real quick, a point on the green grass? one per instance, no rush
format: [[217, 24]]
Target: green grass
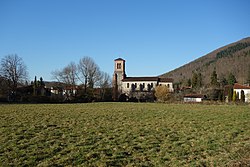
[[124, 134]]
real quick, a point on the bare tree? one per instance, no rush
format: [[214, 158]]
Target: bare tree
[[67, 75], [89, 72], [14, 70], [104, 82]]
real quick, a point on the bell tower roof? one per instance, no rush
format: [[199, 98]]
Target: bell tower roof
[[119, 59]]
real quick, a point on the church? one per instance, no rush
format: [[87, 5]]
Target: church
[[137, 87]]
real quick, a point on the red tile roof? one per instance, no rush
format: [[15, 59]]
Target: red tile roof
[[194, 95], [239, 86]]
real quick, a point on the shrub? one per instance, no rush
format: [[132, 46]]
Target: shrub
[[162, 93]]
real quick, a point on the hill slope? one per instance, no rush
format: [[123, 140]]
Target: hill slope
[[234, 58]]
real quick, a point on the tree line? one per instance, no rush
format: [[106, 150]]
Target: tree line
[[232, 49], [86, 74]]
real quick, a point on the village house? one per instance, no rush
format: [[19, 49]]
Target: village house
[[137, 87], [238, 88], [193, 98]]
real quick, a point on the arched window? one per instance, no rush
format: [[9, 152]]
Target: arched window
[[119, 66], [141, 87], [149, 87], [133, 87]]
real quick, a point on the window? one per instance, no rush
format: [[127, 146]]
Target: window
[[119, 66], [168, 85], [149, 87], [143, 85], [135, 85], [127, 85]]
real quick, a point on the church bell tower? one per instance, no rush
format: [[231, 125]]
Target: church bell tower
[[119, 75]]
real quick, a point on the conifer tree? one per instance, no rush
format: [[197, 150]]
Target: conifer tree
[[42, 82], [35, 87], [242, 96], [189, 83], [214, 79], [230, 94], [234, 96], [199, 80], [223, 81], [194, 80], [231, 79], [237, 96]]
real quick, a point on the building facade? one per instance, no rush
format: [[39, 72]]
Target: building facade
[[193, 98], [135, 86], [246, 89]]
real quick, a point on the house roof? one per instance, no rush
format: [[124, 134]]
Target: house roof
[[239, 86], [127, 79], [194, 95], [119, 59]]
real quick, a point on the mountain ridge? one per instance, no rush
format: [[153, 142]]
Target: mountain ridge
[[232, 58]]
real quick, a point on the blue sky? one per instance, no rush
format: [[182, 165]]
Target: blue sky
[[153, 36]]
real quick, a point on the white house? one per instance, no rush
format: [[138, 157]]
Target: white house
[[238, 88], [194, 98], [129, 85]]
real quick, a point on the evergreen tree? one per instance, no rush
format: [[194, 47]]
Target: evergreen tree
[[214, 79], [194, 80], [189, 83], [223, 81], [234, 96], [199, 80], [230, 94], [42, 82], [237, 96], [35, 82], [231, 79], [35, 87], [221, 95], [242, 96]]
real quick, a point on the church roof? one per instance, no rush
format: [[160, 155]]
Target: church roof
[[127, 79], [140, 79]]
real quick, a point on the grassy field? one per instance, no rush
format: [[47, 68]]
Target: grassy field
[[124, 134]]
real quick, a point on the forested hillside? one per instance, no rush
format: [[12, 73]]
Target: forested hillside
[[233, 58]]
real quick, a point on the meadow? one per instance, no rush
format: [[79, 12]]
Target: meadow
[[124, 134]]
